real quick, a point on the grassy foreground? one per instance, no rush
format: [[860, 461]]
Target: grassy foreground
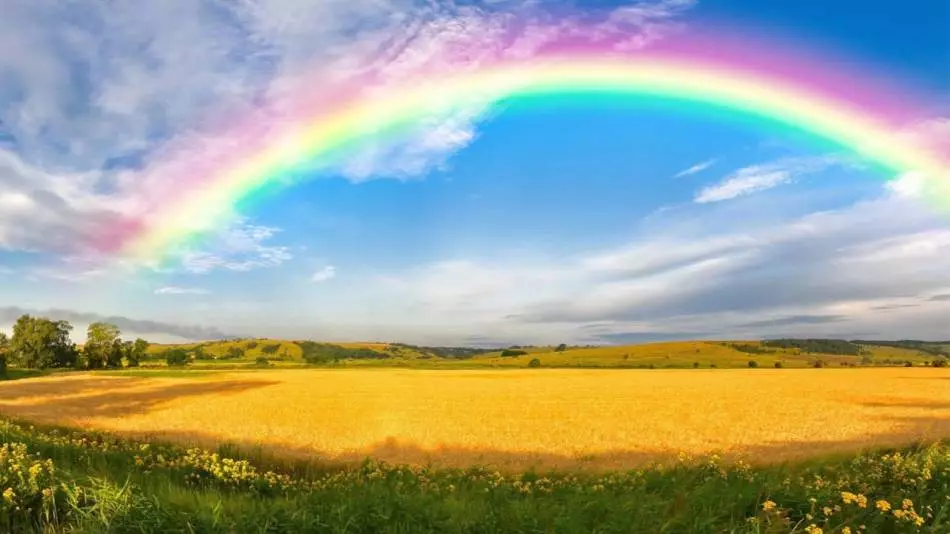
[[56, 480]]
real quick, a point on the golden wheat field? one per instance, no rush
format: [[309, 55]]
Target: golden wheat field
[[511, 419]]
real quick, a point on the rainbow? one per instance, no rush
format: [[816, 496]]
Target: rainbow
[[822, 103]]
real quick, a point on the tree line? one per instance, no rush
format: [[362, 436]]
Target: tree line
[[42, 343]]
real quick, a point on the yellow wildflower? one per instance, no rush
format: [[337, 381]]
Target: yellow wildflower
[[907, 504], [813, 529], [882, 505], [845, 530], [862, 501], [768, 506], [8, 495], [848, 497], [827, 510]]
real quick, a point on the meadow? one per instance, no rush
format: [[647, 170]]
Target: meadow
[[668, 437]]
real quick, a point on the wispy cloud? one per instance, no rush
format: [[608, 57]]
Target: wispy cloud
[[240, 247], [324, 274], [699, 167], [755, 178], [114, 107], [819, 273], [743, 182], [175, 290]]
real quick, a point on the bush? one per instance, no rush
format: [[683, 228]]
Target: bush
[[818, 364], [908, 364], [261, 361], [534, 363], [30, 489], [512, 353], [251, 345], [695, 365], [753, 364], [939, 363], [561, 348], [176, 357], [270, 349], [778, 365]]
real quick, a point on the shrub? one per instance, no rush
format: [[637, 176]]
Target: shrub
[[561, 348], [30, 489], [176, 357], [939, 363], [626, 356], [908, 364], [234, 353], [712, 366], [512, 353], [695, 365], [534, 363], [818, 364], [261, 361], [251, 345], [270, 349], [778, 365], [753, 364]]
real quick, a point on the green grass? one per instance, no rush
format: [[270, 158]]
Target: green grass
[[105, 484]]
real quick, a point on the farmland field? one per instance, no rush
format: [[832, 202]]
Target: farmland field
[[507, 419]]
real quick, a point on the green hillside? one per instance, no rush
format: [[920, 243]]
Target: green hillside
[[789, 353]]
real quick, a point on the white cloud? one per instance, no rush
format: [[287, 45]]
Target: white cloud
[[743, 182], [852, 271], [757, 178], [119, 111], [324, 274], [239, 247], [174, 290], [699, 167]]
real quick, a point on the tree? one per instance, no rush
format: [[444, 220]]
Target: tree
[[137, 352], [199, 353], [4, 347], [561, 348], [100, 347], [235, 353], [39, 342], [116, 353], [534, 363], [753, 364], [176, 357]]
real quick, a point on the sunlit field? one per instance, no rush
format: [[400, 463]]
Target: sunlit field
[[511, 420]]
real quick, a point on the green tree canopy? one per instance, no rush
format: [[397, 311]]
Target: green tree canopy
[[39, 342], [100, 347], [135, 354], [4, 347], [176, 357]]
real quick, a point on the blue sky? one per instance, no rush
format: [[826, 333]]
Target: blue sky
[[565, 222]]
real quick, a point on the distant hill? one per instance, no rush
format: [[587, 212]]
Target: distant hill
[[680, 354]]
